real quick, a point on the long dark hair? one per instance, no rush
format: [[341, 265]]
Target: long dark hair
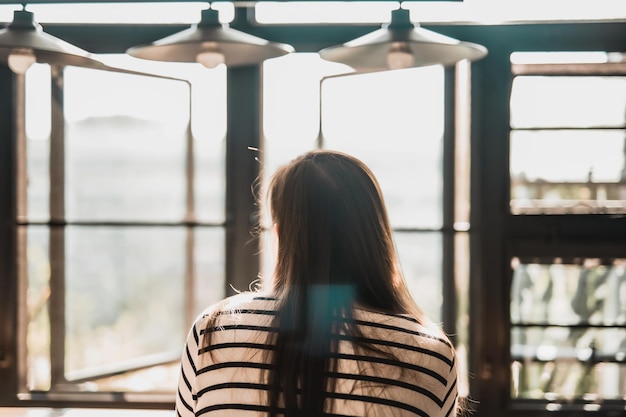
[[335, 250]]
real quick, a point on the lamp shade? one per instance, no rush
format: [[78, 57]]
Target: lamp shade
[[210, 43], [404, 44], [24, 37]]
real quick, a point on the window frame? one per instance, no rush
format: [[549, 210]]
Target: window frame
[[58, 223], [528, 249], [497, 230], [583, 245]]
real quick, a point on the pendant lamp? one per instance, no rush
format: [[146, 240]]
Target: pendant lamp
[[211, 43], [23, 42], [402, 44]]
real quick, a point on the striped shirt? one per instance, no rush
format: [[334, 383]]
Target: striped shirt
[[417, 379]]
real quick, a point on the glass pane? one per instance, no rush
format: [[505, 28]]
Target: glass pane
[[209, 258], [209, 132], [437, 12], [292, 98], [128, 12], [587, 292], [125, 146], [568, 336], [37, 120], [38, 316], [572, 58], [208, 127], [421, 260], [124, 298], [575, 101], [291, 103], [393, 121], [568, 171], [268, 257], [462, 286], [158, 378], [210, 180], [462, 145], [304, 12], [558, 363]]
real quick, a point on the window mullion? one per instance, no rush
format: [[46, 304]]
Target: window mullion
[[8, 301], [190, 217], [242, 172], [449, 313], [57, 231], [21, 180]]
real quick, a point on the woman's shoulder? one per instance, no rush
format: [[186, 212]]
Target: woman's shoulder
[[249, 302], [407, 329]]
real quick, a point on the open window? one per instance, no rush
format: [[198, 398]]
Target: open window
[[120, 226], [402, 125]]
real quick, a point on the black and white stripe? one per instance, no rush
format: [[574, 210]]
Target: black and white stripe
[[416, 375]]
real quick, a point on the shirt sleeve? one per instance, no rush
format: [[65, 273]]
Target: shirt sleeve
[[186, 396], [450, 401]]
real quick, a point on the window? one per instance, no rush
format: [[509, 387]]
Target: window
[[568, 334], [567, 289], [395, 122], [120, 230], [568, 138]]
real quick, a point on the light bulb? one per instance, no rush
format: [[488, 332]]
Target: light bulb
[[210, 59], [399, 56], [21, 59]]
